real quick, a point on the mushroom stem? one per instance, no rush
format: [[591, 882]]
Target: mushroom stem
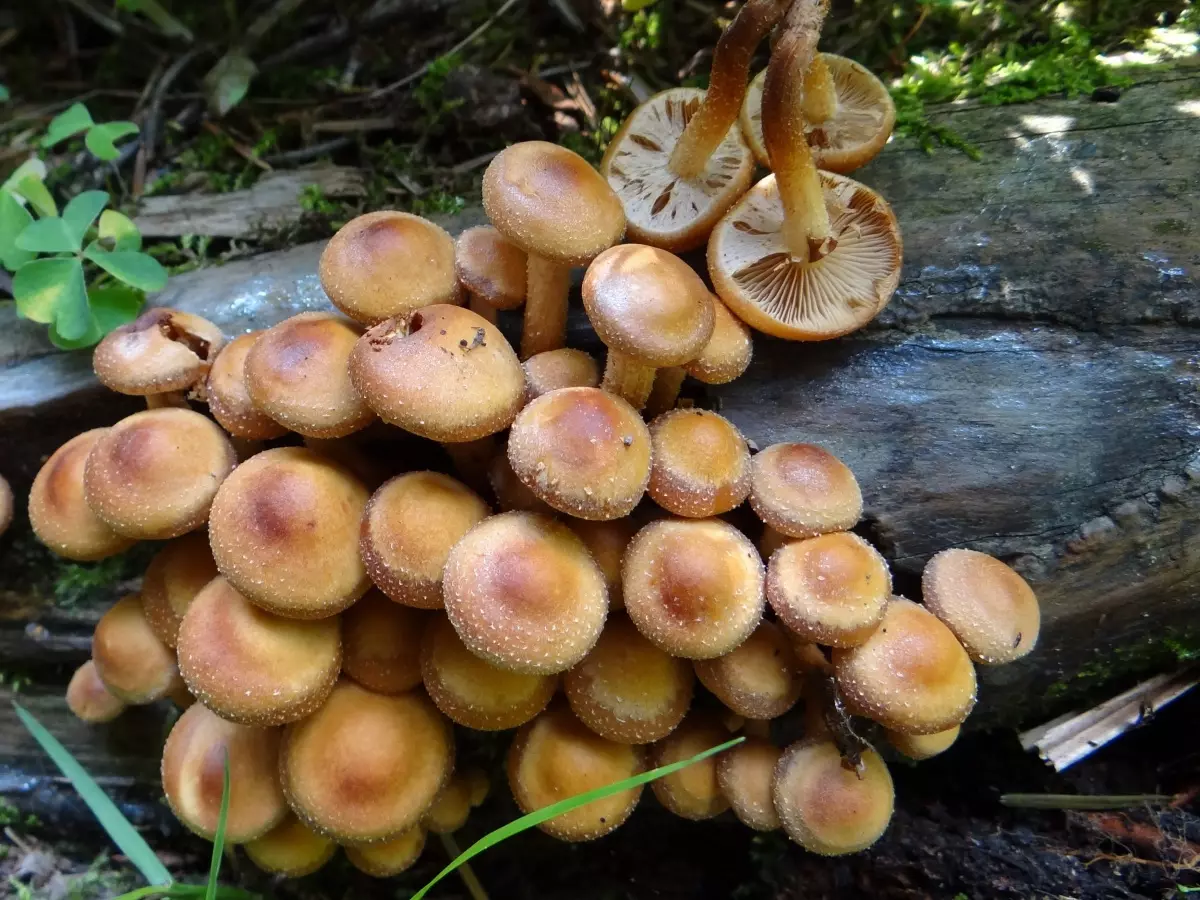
[[481, 307], [820, 98], [665, 392], [545, 326], [629, 379], [465, 872]]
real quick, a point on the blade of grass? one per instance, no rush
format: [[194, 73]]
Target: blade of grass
[[1083, 801], [214, 868], [539, 816]]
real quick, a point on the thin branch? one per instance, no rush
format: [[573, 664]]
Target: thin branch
[[110, 25], [305, 154]]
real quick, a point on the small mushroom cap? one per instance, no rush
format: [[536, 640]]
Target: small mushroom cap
[[174, 577], [58, 512], [388, 263], [911, 675], [832, 589], [154, 474], [555, 757], [555, 369], [479, 784], [606, 541], [825, 806], [510, 493], [161, 350], [648, 304], [291, 849], [296, 374], [924, 746], [253, 667], [694, 587], [692, 792], [385, 859], [90, 699], [759, 679], [523, 593], [745, 775], [728, 352], [193, 775], [583, 451], [491, 266], [6, 505], [133, 663], [451, 808], [284, 531], [802, 490], [627, 689], [701, 463], [442, 372], [365, 767], [381, 644], [989, 607], [408, 529], [551, 202]]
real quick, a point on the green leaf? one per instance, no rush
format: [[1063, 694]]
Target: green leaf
[[117, 826], [32, 189], [100, 139], [32, 166], [214, 867], [49, 235], [152, 10], [111, 306], [13, 220], [119, 228], [563, 806], [3, 94], [135, 269], [67, 123], [53, 291], [81, 212], [228, 81]]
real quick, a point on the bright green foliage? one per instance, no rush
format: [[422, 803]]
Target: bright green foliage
[[99, 138]]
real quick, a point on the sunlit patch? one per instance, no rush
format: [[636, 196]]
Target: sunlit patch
[[1084, 179], [1048, 124]]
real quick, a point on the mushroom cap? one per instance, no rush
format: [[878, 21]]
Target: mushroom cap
[[173, 579], [550, 202], [6, 505], [728, 352], [154, 474], [387, 263], [924, 746], [366, 767], [491, 267], [832, 589], [802, 490], [627, 689], [648, 304], [523, 593], [229, 398], [291, 849], [694, 587], [58, 512], [606, 541], [756, 276], [510, 493], [583, 451], [701, 463], [133, 663], [296, 373], [990, 608], [474, 693], [384, 859], [555, 757], [745, 775], [759, 679], [826, 807], [284, 531], [442, 372], [911, 675], [451, 808], [251, 666], [555, 369], [161, 350], [90, 699], [381, 644], [408, 529], [692, 792], [193, 775], [662, 209]]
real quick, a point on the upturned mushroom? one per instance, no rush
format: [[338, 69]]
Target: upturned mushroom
[[229, 398], [174, 577], [90, 699], [160, 351], [561, 368], [491, 269], [133, 663], [692, 792], [701, 463], [802, 490], [757, 680], [386, 859], [745, 775], [381, 644], [291, 849]]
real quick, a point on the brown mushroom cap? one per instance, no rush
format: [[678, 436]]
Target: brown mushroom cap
[[555, 757], [442, 372], [491, 267], [6, 505], [510, 493], [803, 490], [832, 589], [701, 463], [284, 531], [253, 667], [381, 644], [759, 679], [911, 675], [606, 541], [745, 775], [58, 512], [133, 663], [365, 767], [388, 263], [555, 369], [924, 746], [694, 587], [728, 352], [384, 859], [173, 579], [153, 475], [627, 689], [451, 808], [90, 699], [692, 792], [291, 849], [989, 607], [193, 775], [408, 529], [524, 594], [583, 451], [826, 807], [161, 350]]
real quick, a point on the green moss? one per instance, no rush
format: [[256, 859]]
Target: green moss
[[1171, 226], [1155, 652], [77, 583]]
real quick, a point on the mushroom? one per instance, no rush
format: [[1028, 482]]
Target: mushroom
[[771, 540], [583, 451], [911, 675], [154, 474], [694, 587], [173, 579], [745, 775], [651, 310], [728, 352], [551, 203], [451, 808], [627, 689], [561, 368], [757, 680], [523, 593], [58, 512], [555, 757], [133, 663], [492, 270], [161, 351], [701, 463], [387, 263], [193, 776], [284, 531], [229, 398], [381, 644], [802, 490], [409, 526], [692, 792], [253, 667], [990, 608], [384, 859], [291, 849], [90, 699], [510, 493], [924, 746], [606, 541], [6, 505], [372, 465], [366, 767]]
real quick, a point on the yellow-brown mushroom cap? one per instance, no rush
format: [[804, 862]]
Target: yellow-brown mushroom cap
[[555, 369], [291, 849], [989, 607], [385, 859], [173, 579], [193, 775], [229, 399], [90, 699], [491, 266], [284, 531], [381, 644], [388, 263], [451, 808], [161, 350], [692, 792], [693, 586], [606, 541], [924, 746], [911, 675], [728, 352], [701, 463], [803, 490], [154, 474], [555, 757], [745, 775], [759, 679], [6, 505], [133, 663], [583, 451]]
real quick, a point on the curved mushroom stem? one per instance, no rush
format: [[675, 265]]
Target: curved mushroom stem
[[481, 307], [820, 97], [629, 379], [545, 326], [726, 87], [665, 392]]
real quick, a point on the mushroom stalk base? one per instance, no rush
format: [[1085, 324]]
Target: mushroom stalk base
[[482, 308], [629, 379], [545, 327], [665, 392]]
